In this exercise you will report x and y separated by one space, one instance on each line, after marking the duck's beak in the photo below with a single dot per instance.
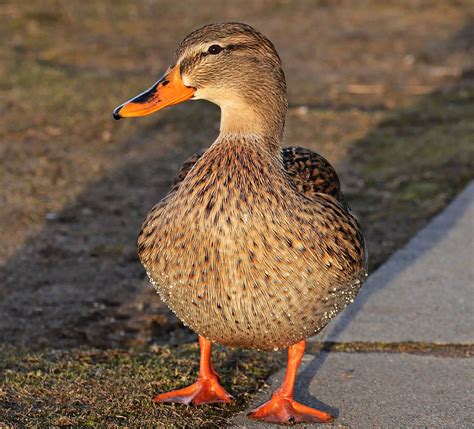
169 90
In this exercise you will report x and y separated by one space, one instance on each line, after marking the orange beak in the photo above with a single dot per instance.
169 90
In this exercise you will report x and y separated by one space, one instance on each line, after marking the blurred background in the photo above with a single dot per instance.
383 90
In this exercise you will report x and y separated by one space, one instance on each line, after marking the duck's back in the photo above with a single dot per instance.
253 257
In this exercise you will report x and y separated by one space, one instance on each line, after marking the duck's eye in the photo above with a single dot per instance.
214 49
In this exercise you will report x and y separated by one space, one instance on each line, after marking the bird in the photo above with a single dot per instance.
254 246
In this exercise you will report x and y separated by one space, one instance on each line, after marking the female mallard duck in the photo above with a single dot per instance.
254 246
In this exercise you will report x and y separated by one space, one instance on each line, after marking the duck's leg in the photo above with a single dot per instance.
282 408
206 389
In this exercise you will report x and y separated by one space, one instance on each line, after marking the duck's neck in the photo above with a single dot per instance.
264 118
246 163
238 145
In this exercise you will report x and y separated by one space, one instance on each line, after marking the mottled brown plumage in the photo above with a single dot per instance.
251 248
311 172
254 246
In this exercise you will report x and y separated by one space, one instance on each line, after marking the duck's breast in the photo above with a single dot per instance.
249 272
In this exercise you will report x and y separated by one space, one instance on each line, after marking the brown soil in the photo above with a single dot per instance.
384 90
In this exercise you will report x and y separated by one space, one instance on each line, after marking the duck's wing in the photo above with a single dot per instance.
311 173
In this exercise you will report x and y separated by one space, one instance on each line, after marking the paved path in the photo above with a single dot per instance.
423 294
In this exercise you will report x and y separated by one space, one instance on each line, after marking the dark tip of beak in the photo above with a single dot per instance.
116 113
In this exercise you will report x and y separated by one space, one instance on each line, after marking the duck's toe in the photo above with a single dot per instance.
203 391
287 411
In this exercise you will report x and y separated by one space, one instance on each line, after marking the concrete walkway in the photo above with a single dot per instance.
423 294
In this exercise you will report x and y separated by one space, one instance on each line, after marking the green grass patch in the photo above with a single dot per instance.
411 165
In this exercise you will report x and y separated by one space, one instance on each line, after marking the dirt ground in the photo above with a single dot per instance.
384 90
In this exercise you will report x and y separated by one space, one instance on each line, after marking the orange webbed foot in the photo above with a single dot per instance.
203 391
287 411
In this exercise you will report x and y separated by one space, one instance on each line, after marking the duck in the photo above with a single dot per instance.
254 246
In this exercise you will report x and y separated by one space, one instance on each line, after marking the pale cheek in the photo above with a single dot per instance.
222 96
186 80
199 94
203 94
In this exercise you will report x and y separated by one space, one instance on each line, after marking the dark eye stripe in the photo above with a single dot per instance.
187 63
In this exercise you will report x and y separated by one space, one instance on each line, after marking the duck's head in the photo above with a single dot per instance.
231 65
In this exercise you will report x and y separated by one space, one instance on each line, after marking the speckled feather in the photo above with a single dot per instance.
311 172
250 248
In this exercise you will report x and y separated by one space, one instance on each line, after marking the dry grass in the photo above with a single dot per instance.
91 388
411 347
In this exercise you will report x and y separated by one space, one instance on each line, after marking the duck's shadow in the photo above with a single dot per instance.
303 384
78 281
